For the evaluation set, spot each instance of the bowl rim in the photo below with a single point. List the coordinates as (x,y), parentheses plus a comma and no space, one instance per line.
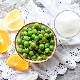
(55,38)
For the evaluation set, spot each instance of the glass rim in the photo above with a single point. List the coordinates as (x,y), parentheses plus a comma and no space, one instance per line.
(58,32)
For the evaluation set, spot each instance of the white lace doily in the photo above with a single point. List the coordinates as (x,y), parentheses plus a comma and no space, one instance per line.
(66,55)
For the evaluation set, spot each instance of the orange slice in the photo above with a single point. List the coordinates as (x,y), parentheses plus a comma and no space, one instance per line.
(13,20)
(4,41)
(17,63)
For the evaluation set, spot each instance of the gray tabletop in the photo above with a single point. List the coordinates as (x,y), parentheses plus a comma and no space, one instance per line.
(70,74)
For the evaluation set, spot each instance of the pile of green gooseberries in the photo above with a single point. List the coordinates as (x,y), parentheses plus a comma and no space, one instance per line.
(35,42)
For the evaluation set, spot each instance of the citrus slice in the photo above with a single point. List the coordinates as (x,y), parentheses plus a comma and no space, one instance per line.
(4,41)
(17,63)
(13,20)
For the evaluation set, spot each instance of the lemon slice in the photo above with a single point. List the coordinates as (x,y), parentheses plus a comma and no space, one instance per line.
(13,20)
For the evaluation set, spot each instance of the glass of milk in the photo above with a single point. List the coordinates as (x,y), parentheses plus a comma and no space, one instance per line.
(67,24)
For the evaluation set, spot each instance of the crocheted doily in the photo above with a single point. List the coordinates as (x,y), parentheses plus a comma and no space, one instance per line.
(68,50)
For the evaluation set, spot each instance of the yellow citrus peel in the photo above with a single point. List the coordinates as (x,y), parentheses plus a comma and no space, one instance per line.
(13,20)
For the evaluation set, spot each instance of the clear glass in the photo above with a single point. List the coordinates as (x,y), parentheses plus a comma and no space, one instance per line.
(70,23)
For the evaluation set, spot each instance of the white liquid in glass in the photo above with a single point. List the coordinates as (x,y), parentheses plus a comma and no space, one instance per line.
(67,24)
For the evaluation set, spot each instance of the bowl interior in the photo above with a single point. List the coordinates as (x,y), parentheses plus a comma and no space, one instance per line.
(29,25)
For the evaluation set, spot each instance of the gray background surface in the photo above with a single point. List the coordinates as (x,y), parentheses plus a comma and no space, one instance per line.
(71,74)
